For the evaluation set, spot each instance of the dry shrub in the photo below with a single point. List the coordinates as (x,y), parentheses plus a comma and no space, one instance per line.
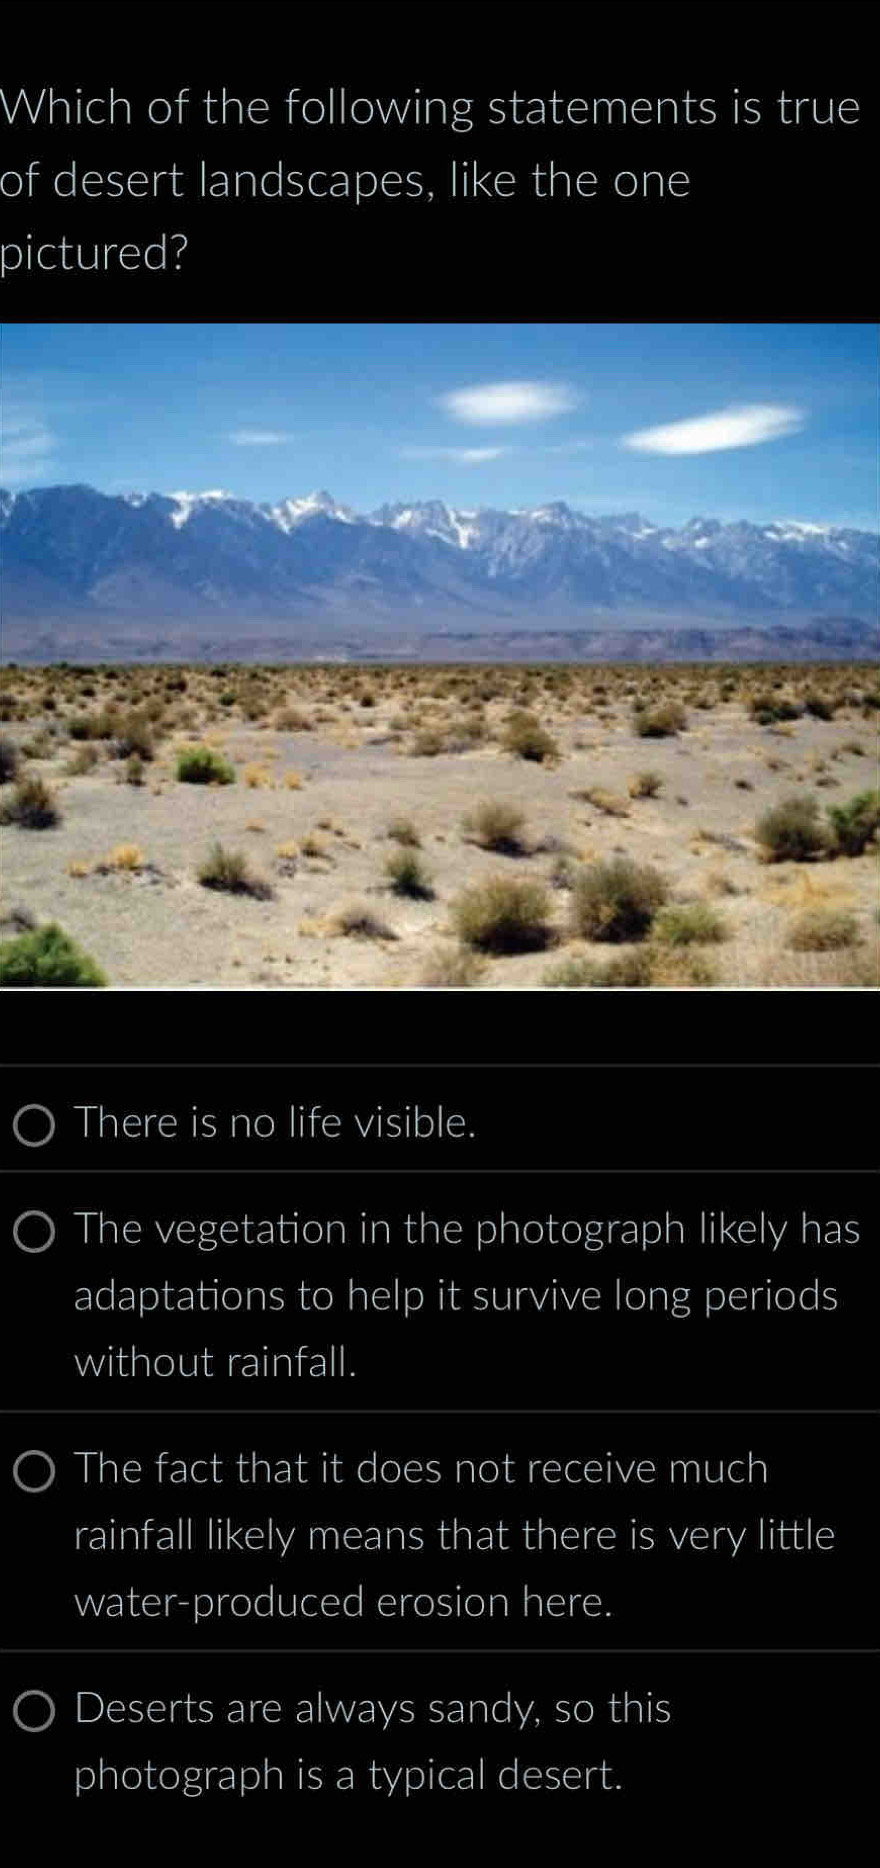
(661,722)
(526,738)
(452,969)
(609,802)
(645,785)
(229,871)
(83,760)
(407,875)
(360,921)
(791,830)
(616,900)
(31,804)
(402,830)
(690,924)
(682,968)
(503,915)
(823,929)
(496,826)
(316,846)
(126,857)
(625,970)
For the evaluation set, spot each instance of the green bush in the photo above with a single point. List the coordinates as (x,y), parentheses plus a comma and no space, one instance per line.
(201,765)
(47,957)
(690,924)
(31,805)
(791,830)
(616,900)
(855,824)
(503,915)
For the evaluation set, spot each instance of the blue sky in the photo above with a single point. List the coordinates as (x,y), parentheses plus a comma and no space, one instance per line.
(735,421)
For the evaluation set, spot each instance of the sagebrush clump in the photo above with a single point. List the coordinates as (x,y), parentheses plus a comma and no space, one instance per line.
(823,929)
(31,805)
(792,831)
(526,738)
(452,969)
(503,915)
(230,871)
(495,825)
(616,900)
(402,830)
(407,875)
(661,722)
(689,924)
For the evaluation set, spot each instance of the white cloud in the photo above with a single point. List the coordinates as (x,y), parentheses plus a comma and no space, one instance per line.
(741,427)
(469,457)
(26,449)
(259,437)
(493,403)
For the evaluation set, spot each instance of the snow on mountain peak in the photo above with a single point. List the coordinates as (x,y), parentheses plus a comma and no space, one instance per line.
(188,502)
(291,512)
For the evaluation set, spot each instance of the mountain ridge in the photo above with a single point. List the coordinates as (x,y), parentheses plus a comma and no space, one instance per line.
(308,561)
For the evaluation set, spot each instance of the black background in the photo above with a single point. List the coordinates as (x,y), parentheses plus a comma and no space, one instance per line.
(764,1660)
(777,226)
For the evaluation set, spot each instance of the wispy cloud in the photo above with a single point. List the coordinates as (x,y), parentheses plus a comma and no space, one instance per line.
(743,427)
(26,449)
(468,457)
(567,447)
(259,437)
(487,404)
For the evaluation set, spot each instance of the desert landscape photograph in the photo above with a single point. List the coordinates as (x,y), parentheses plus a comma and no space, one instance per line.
(571,682)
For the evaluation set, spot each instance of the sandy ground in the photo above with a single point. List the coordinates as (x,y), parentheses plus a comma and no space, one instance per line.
(158,927)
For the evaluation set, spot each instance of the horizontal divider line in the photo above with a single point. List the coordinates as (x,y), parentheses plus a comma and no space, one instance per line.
(467,1412)
(677,1064)
(335,1172)
(559,1653)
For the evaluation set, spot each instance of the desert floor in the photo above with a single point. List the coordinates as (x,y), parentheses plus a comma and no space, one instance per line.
(326,759)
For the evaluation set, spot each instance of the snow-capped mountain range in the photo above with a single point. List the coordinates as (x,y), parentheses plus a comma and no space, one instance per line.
(212,555)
